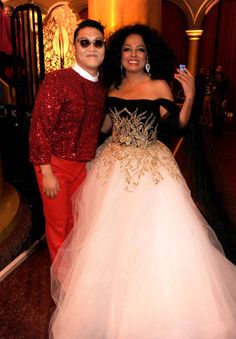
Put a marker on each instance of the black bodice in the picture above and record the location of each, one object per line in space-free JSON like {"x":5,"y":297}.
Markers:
{"x":137,"y":122}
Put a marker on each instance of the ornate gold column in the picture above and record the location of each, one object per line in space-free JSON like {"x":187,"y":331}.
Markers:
{"x":194,"y":37}
{"x":116,"y":13}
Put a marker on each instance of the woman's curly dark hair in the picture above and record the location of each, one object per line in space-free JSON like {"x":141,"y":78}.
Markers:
{"x":160,"y":56}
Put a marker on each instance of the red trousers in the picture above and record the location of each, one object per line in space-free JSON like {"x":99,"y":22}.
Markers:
{"x":58,"y":211}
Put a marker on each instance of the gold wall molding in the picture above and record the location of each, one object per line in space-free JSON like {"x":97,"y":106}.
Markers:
{"x":194,"y":36}
{"x":58,"y":31}
{"x":194,"y":10}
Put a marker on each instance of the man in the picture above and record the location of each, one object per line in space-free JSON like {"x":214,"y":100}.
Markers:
{"x":219,"y":98}
{"x":66,"y":121}
{"x":8,"y":10}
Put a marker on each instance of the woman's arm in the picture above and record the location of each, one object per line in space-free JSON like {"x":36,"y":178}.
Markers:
{"x":107,"y":124}
{"x":187,"y":81}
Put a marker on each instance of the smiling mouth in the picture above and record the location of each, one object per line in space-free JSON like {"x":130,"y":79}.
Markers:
{"x":92,"y":55}
{"x":133,"y":62}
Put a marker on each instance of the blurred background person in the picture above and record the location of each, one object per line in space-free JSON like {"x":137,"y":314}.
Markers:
{"x":8,"y":10}
{"x":206,"y":110}
{"x":219,"y":98}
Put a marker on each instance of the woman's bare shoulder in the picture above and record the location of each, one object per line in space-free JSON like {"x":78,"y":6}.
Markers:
{"x":162,"y":89}
{"x":161,"y":84}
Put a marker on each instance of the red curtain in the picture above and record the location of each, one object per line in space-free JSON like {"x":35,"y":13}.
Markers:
{"x":84,"y":14}
{"x":174,"y":24}
{"x":226,"y":45}
{"x":218,"y":43}
{"x":208,"y":39}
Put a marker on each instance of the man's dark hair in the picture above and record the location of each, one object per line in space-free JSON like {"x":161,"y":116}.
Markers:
{"x":89,"y":23}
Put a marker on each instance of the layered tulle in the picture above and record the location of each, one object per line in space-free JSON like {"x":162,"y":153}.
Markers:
{"x":141,"y":261}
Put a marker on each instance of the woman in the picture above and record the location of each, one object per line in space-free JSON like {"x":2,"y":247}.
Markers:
{"x":141,"y":262}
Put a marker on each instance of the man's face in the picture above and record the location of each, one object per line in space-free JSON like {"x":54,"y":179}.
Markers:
{"x":7,"y":11}
{"x":219,"y":69}
{"x":90,"y":57}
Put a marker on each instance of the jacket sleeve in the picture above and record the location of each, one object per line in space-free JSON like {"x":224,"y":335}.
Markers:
{"x":46,"y":111}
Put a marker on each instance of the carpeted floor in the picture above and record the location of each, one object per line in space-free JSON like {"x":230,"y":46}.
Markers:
{"x":25,"y":302}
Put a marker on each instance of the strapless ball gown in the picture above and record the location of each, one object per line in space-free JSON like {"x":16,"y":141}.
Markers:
{"x":141,"y":262}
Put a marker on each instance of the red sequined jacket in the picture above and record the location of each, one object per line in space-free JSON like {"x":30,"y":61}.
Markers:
{"x":67,"y":118}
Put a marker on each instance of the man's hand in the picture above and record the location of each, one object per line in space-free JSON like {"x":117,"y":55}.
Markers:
{"x":50,"y":183}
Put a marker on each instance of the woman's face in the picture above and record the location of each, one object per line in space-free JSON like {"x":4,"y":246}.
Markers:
{"x":134,"y":54}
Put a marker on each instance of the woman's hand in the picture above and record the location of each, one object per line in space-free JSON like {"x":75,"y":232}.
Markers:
{"x":187,"y":81}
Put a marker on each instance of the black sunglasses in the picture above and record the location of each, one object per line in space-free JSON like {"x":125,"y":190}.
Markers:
{"x":84,"y":42}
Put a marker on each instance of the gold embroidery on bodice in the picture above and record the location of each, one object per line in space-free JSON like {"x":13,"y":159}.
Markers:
{"x":134,"y":146}
{"x":133,"y":129}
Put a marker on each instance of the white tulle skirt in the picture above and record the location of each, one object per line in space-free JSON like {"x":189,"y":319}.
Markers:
{"x":141,"y":261}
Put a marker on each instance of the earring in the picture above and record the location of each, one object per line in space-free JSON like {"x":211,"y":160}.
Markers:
{"x":122,"y":70}
{"x":148,"y":67}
